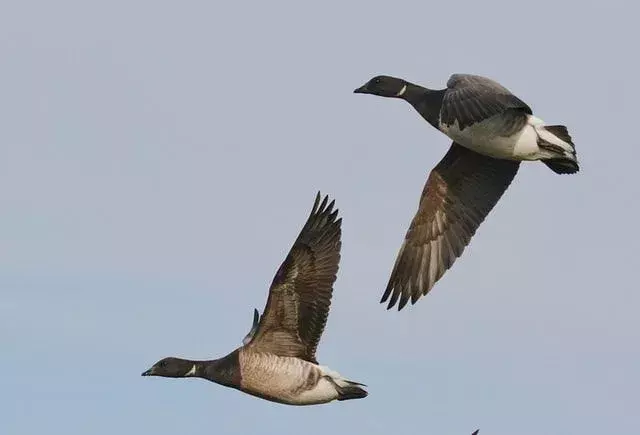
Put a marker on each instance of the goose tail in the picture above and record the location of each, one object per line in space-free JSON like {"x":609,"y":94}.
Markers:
{"x":345,"y":388}
{"x":348,"y":390}
{"x":558,"y":142}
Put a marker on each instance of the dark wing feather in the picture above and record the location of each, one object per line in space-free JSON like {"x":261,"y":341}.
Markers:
{"x":470,"y":99}
{"x":300,"y":295}
{"x":460,"y":192}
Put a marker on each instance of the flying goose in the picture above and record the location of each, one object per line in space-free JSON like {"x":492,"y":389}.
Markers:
{"x":492,"y":132}
{"x":277,"y":360}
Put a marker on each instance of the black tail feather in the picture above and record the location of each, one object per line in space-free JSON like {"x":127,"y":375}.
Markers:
{"x":351,"y":391}
{"x":562,"y":165}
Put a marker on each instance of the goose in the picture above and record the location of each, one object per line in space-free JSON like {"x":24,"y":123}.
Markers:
{"x":277,"y":359}
{"x":492,"y":132}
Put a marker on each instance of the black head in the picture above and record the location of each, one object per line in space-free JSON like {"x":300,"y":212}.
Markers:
{"x":173,"y":368}
{"x":384,"y":86}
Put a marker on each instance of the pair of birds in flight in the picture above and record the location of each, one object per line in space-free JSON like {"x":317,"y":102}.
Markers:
{"x":492,"y":132}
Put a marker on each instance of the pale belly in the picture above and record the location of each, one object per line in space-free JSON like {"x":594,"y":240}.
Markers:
{"x":482,"y":138}
{"x":285,"y":380}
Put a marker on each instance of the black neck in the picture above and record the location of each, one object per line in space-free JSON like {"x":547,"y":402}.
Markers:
{"x":224,"y":371}
{"x":426,"y":101}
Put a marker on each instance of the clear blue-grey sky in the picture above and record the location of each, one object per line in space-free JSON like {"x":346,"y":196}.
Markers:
{"x":157,"y":160}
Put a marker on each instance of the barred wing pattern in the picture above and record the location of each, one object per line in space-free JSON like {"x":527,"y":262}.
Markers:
{"x":300,"y":295}
{"x":460,"y":192}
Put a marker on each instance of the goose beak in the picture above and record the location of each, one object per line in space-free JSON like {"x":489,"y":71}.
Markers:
{"x":148,"y":372}
{"x":361,"y":90}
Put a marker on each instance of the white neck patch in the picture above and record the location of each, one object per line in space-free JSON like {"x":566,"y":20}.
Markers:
{"x":192,"y":371}
{"x":402,"y":91}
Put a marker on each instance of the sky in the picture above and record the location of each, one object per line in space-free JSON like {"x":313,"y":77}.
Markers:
{"x":157,"y":160}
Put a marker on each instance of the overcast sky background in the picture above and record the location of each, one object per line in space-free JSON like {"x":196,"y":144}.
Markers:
{"x":157,"y":160}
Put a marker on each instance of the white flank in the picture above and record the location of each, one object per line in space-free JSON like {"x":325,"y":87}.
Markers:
{"x":335,"y":376}
{"x":526,"y":144}
{"x":323,"y":392}
{"x":520,"y":146}
{"x":526,"y":147}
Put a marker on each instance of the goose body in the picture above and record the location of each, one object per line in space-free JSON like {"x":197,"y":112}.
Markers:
{"x":492,"y":132}
{"x":519,"y":138}
{"x":482,"y":115}
{"x":290,"y":380}
{"x":277,"y":359}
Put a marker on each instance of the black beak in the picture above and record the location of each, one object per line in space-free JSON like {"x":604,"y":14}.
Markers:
{"x":148,"y":372}
{"x":361,"y":90}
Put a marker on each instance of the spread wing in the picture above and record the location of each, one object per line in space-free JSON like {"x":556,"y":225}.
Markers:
{"x":300,"y":295}
{"x":460,"y":192}
{"x":470,"y":99}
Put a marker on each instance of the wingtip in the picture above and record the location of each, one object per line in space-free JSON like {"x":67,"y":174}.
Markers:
{"x":325,"y":209}
{"x":476,"y":432}
{"x":331,"y":205}
{"x":323,"y":204}
{"x":404,"y":299}
{"x":384,"y":297}
{"x":391,"y":303}
{"x":320,"y":202}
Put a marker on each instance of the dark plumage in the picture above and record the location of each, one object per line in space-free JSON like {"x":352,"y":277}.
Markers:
{"x":471,"y":99}
{"x":300,"y":294}
{"x":492,"y":132}
{"x":459,"y":193}
{"x":277,"y":360}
